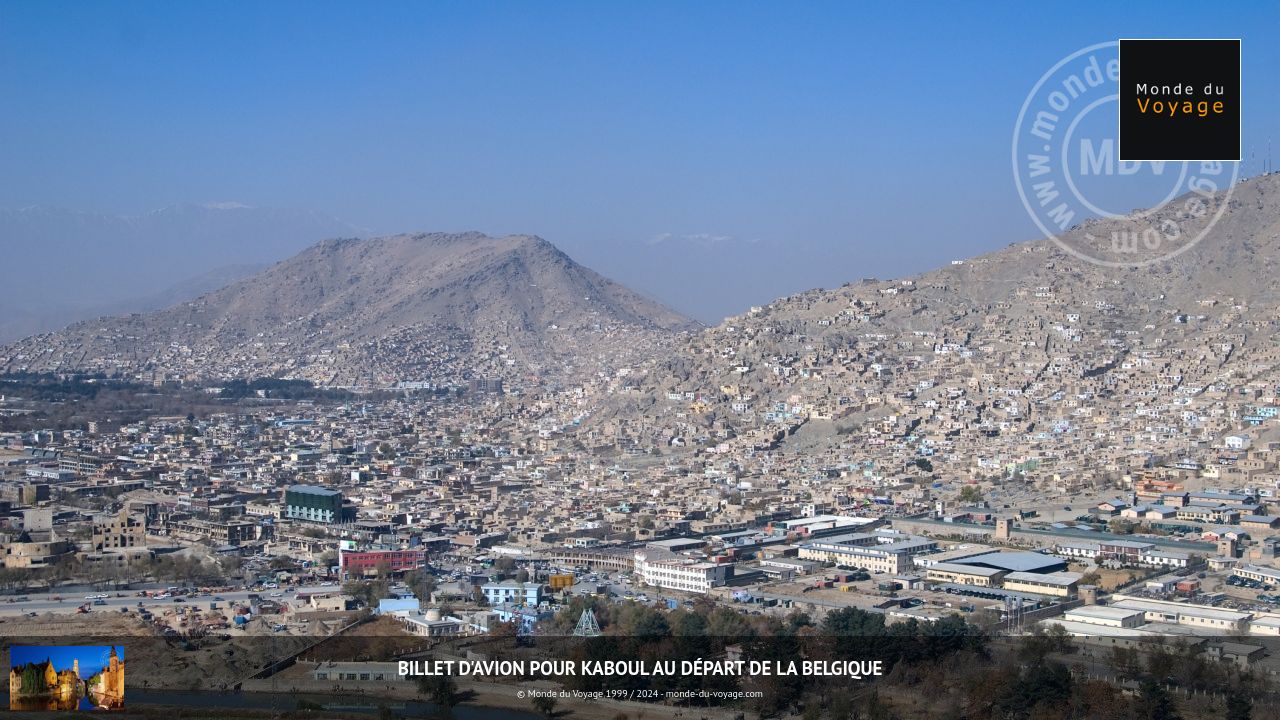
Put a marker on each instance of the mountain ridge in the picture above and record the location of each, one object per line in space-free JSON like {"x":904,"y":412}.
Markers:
{"x":1003,"y":353}
{"x":340,"y":310}
{"x":109,"y":262}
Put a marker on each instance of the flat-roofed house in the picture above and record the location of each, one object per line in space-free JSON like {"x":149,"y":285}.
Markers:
{"x":1106,"y":616}
{"x":1260,"y":522}
{"x":1059,"y":584}
{"x":956,"y":573}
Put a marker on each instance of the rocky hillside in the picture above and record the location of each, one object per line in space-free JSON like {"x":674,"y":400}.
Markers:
{"x":404,"y":308}
{"x":1029,"y":343}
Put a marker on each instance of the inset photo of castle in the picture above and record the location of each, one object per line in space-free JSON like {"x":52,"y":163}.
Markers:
{"x":66,"y":677}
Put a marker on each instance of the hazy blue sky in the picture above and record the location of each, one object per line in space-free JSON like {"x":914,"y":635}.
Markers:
{"x":92,"y":657}
{"x":806,"y":144}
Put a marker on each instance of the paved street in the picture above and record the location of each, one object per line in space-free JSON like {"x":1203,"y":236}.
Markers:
{"x":47,"y":602}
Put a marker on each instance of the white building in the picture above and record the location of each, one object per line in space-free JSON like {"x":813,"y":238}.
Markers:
{"x":1165,"y":558}
{"x":1267,"y":575}
{"x":662,"y":569}
{"x":1106,"y":616}
{"x":1195,"y":616}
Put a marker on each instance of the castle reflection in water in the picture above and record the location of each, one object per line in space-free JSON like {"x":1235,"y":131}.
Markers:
{"x":56,"y":683}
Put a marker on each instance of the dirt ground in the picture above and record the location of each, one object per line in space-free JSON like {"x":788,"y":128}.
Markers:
{"x":89,"y":625}
{"x":1108,"y":579}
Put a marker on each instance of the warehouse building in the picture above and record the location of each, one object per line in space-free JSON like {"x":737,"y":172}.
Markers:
{"x":1059,"y":584}
{"x":1106,"y":616}
{"x":1030,"y":562}
{"x":1191,"y":616}
{"x":873,"y":559}
{"x":958,"y":574}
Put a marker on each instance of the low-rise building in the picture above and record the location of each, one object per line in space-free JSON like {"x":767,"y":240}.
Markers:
{"x":1106,"y":616}
{"x":1058,"y":584}
{"x":663,"y":570}
{"x":956,"y":573}
{"x":513,"y":592}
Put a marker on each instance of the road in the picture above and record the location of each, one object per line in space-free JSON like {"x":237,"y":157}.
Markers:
{"x":46,"y":602}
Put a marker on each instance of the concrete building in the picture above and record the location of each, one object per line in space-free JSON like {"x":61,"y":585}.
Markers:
{"x":119,"y":532}
{"x":512,"y":592}
{"x":956,"y":573}
{"x":665,"y":571}
{"x":1194,"y":616}
{"x":870,"y":551}
{"x":1270,"y":576}
{"x":357,"y":563}
{"x":1106,"y":616}
{"x":1059,"y":584}
{"x":316,"y":504}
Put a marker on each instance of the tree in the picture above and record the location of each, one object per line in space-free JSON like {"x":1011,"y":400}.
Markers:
{"x":876,"y":709}
{"x":797,"y":619}
{"x":367,"y":591}
{"x":422,"y":584}
{"x":1239,"y":706}
{"x":1154,"y":702}
{"x":970,"y":494}
{"x":855,"y":622}
{"x":503,"y":630}
{"x":1127,"y":662}
{"x":1041,"y":685}
{"x":14,"y":578}
{"x":812,"y":711}
{"x":545,"y":705}
{"x":441,"y":690}
{"x":1041,"y":642}
{"x":1120,"y":526}
{"x":639,"y":621}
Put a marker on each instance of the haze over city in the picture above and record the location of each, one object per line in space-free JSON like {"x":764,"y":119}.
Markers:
{"x":713,"y":156}
{"x":627,"y":361}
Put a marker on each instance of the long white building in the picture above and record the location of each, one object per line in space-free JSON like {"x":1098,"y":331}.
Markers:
{"x":662,"y":569}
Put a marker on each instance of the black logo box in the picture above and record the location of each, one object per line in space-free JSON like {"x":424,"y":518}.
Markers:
{"x":1186,"y":67}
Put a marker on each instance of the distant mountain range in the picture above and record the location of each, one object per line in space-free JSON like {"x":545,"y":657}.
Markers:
{"x":60,"y":266}
{"x":432,"y":307}
{"x":443,"y":307}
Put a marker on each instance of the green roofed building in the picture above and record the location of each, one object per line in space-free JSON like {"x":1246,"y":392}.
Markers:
{"x":316,"y":504}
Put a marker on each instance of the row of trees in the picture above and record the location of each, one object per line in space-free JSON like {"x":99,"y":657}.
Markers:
{"x":946,"y":668}
{"x":705,"y":630}
{"x":184,"y":569}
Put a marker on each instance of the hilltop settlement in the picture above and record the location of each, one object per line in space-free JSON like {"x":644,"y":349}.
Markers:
{"x":1016,"y":439}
